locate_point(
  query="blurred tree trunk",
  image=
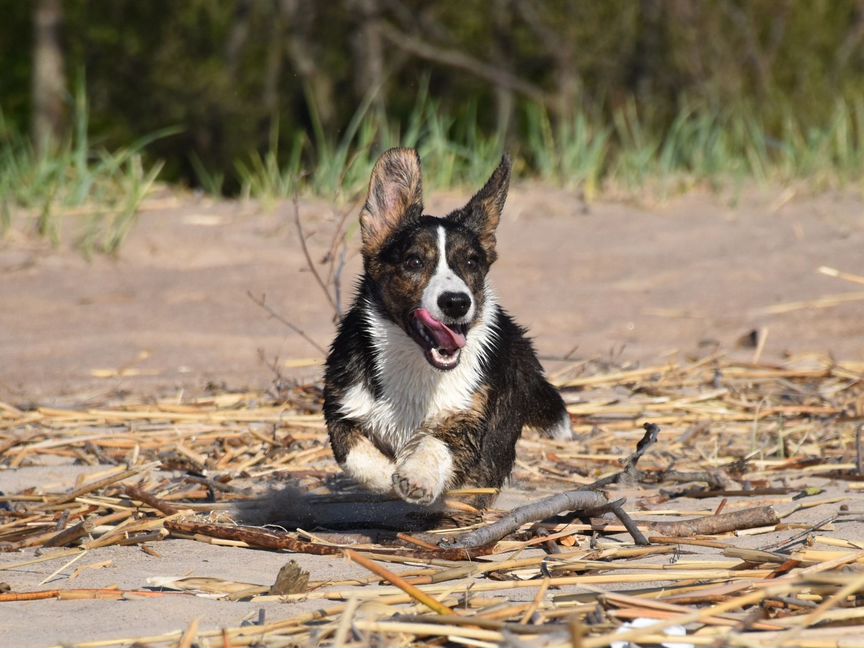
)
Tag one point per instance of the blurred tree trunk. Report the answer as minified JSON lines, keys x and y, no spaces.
{"x":273,"y":73}
{"x":49,"y":79}
{"x":850,"y":44}
{"x":368,"y":47}
{"x":559,"y":45}
{"x":237,"y":36}
{"x":298,"y":17}
{"x":502,"y":48}
{"x":646,"y":66}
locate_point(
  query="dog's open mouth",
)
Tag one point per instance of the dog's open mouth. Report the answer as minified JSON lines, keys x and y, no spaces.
{"x":441,"y":343}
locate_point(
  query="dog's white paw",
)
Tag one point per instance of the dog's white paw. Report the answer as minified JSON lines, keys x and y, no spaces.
{"x":370,"y":467}
{"x":422,"y":475}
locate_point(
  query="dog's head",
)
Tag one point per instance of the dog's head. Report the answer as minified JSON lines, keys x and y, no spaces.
{"x":428,"y":274}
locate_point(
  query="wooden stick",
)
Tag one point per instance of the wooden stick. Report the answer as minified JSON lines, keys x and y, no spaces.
{"x":714,"y":524}
{"x":628,"y":523}
{"x":586,"y":500}
{"x":72,"y":534}
{"x":77,"y":594}
{"x":266,"y":539}
{"x":589,"y":502}
{"x":398,"y":581}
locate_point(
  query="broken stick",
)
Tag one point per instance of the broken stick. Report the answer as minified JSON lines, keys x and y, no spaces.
{"x":587,"y":500}
{"x":714,"y":524}
{"x":281,"y":541}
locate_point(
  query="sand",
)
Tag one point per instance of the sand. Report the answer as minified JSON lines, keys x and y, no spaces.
{"x":621,"y":282}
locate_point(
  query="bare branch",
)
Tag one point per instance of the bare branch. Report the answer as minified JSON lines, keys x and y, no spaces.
{"x":464,"y":62}
{"x":588,"y":500}
{"x":261,"y":301}
{"x":722,"y":523}
{"x":309,"y":262}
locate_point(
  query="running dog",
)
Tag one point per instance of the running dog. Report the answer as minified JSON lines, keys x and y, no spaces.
{"x":429,"y":382}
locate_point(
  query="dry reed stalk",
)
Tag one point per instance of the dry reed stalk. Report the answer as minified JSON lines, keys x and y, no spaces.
{"x":79,"y":594}
{"x":397,"y":581}
{"x":833,"y":272}
{"x":806,"y":410}
{"x":429,"y":630}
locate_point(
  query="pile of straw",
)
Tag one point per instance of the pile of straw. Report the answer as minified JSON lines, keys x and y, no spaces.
{"x":744,"y":450}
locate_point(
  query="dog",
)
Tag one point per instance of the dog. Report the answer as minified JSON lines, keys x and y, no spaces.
{"x":429,"y":383}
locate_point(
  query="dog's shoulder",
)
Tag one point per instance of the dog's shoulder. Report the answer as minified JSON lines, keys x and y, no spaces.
{"x":350,"y":360}
{"x":512,"y":355}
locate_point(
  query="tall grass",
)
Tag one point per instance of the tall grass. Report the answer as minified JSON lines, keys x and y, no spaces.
{"x":628,"y":152}
{"x":622,"y":151}
{"x":101,"y":190}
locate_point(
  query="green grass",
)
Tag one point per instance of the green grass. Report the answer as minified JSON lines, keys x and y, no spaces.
{"x":629,"y":153}
{"x":101,"y":190}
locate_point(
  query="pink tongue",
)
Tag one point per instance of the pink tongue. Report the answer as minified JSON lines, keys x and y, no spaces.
{"x":445,"y":337}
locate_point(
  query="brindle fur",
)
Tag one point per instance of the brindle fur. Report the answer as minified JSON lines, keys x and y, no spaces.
{"x":512,"y":391}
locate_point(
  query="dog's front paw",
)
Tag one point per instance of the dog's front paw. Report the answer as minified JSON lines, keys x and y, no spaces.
{"x":412,"y":491}
{"x":423,"y":474}
{"x":368,"y":466}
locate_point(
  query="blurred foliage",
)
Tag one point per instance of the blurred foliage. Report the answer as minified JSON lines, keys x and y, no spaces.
{"x":265,"y":90}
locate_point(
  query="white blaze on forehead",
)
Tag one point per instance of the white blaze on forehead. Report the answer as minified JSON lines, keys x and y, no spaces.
{"x":444,"y":280}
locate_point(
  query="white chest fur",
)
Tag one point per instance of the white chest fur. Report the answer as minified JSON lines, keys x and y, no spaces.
{"x":414,"y":392}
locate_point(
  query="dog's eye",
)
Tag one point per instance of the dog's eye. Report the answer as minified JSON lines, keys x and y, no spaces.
{"x":413,"y":262}
{"x":471,"y":263}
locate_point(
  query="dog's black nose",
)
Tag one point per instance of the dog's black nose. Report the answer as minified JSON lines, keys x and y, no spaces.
{"x":454,"y":304}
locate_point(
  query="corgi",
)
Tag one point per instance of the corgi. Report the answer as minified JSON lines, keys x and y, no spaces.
{"x":429,"y":382}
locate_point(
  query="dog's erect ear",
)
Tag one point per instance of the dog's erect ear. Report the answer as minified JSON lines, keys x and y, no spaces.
{"x":483,"y":211}
{"x":395,"y":189}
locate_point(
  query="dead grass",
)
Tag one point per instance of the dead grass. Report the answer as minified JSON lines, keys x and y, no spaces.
{"x":754,"y":435}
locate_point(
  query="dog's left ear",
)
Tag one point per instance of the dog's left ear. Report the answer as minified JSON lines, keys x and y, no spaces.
{"x":483,"y":212}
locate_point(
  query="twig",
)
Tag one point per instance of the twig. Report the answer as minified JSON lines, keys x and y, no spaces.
{"x":587,"y":500}
{"x":151,"y":500}
{"x":826,"y":301}
{"x":461,"y":61}
{"x":266,"y":539}
{"x":309,"y":262}
{"x":784,"y":545}
{"x":833,"y":272}
{"x":702,"y":493}
{"x":859,"y":452}
{"x":72,"y":534}
{"x":652,"y":432}
{"x":263,"y":304}
{"x":628,"y":523}
{"x":337,"y":255}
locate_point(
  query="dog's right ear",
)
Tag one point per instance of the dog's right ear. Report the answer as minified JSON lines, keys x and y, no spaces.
{"x":395,"y":190}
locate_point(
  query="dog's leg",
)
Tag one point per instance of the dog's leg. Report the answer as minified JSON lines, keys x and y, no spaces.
{"x":438,"y":457}
{"x":546,"y":412}
{"x":359,"y":457}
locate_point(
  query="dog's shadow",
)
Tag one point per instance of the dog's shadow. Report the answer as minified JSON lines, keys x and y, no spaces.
{"x":372,"y":515}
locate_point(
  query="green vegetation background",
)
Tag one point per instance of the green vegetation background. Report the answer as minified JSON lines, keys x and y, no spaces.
{"x":261,"y":95}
